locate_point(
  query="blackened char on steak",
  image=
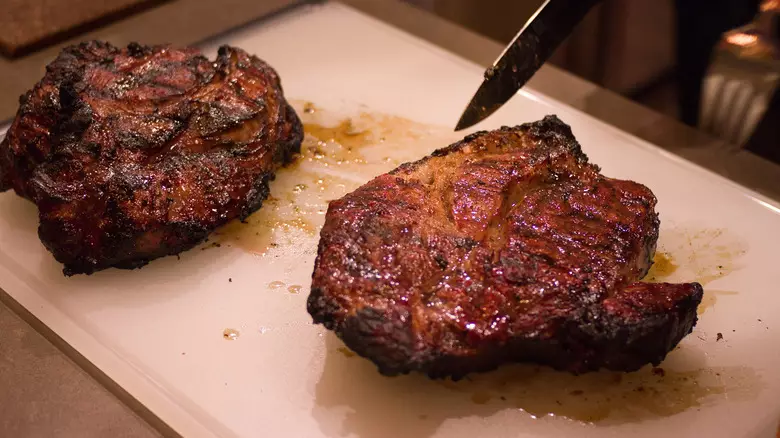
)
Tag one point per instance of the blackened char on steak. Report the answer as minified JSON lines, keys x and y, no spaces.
{"x":137,"y":153}
{"x":507,"y":246}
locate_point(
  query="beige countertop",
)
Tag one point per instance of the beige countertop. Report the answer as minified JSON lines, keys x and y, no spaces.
{"x":45,"y":394}
{"x":49,"y":390}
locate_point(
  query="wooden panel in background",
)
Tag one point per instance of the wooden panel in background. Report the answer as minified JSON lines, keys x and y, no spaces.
{"x":621,"y":45}
{"x":29,"y":25}
{"x":176,"y":22}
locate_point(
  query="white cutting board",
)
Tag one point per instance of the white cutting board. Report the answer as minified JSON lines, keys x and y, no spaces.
{"x":158,"y":331}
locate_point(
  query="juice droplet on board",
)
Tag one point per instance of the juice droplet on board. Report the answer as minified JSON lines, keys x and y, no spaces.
{"x":275,"y":284}
{"x":230,"y":334}
{"x":346,"y":352}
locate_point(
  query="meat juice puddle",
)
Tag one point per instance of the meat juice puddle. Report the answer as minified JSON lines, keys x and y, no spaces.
{"x":707,"y":255}
{"x":606,"y":397}
{"x":683,"y":382}
{"x":650,"y":392}
{"x":339,"y":154}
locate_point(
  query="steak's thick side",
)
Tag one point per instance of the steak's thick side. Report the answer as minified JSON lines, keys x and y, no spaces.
{"x":506,"y":246}
{"x":136,"y":153}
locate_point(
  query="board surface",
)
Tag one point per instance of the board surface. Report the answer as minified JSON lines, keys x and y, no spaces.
{"x":218,"y":341}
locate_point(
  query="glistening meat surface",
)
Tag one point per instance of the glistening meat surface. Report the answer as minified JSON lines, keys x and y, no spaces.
{"x":137,"y":153}
{"x":505,"y":247}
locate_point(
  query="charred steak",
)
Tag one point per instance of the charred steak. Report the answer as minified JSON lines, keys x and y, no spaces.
{"x":506,"y":246}
{"x":137,"y":153}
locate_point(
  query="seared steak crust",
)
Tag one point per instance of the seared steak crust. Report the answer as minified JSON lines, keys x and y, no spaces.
{"x":506,"y":246}
{"x":137,"y":153}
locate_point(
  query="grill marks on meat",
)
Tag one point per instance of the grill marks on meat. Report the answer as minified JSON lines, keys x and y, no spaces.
{"x":137,"y":153}
{"x":506,"y":246}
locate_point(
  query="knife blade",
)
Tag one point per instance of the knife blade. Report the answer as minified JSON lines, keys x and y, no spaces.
{"x":531,"y":47}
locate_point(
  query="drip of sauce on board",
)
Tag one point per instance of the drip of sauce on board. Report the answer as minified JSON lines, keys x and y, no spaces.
{"x":276,"y":284}
{"x":663,"y":267}
{"x":230,"y":334}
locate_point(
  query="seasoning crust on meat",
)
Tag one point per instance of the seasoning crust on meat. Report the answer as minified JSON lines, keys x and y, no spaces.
{"x":136,"y":153}
{"x":507,"y":246}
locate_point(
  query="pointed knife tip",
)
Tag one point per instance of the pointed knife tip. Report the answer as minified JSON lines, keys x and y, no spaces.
{"x":476,"y":111}
{"x":467,"y":120}
{"x":461,"y":126}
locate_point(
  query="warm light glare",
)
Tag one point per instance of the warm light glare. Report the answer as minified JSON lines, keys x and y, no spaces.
{"x":742,"y":39}
{"x":770,"y":5}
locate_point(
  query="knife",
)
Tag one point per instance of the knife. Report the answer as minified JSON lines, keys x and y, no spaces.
{"x":531,"y":47}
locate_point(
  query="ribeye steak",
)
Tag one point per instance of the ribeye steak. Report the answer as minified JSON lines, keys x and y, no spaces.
{"x":137,"y":153}
{"x":507,"y":246}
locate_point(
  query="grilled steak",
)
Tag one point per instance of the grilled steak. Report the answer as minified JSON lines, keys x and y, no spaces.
{"x":137,"y":153}
{"x":506,"y":246}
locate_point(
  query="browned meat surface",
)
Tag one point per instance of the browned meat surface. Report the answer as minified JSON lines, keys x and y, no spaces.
{"x":137,"y":153}
{"x":507,"y":246}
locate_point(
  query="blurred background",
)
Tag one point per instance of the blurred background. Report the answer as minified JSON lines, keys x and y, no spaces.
{"x":711,"y":64}
{"x":658,"y":53}
{"x":627,"y":46}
